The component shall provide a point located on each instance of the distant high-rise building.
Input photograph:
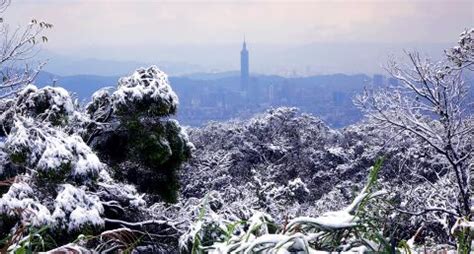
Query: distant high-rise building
(244, 67)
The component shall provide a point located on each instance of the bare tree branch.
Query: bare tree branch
(429, 102)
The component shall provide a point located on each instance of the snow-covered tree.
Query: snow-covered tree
(431, 103)
(132, 132)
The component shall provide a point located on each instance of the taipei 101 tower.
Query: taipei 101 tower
(244, 68)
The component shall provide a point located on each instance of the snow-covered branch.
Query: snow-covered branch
(429, 103)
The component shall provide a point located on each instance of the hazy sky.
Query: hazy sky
(146, 30)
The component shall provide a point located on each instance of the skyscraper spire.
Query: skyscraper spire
(244, 67)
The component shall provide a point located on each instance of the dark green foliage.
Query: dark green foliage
(149, 156)
(19, 157)
(463, 237)
(55, 175)
(37, 240)
(6, 224)
(146, 107)
(370, 222)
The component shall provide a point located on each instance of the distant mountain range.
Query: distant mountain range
(83, 86)
(68, 66)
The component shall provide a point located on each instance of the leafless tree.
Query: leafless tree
(17, 46)
(430, 102)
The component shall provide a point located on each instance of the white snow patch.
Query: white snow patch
(145, 83)
(20, 200)
(75, 208)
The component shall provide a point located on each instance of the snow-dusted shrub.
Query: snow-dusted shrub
(332, 201)
(71, 210)
(50, 153)
(100, 107)
(74, 209)
(120, 200)
(145, 93)
(133, 134)
(210, 221)
(52, 104)
(44, 161)
(297, 188)
(50, 172)
(21, 202)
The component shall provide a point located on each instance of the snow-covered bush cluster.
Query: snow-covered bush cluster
(52, 153)
(259, 232)
(56, 171)
(282, 149)
(45, 162)
(293, 165)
